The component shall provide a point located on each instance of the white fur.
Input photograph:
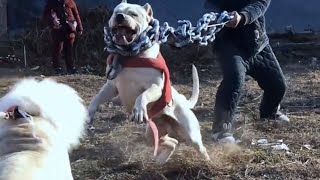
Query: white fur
(59, 122)
(56, 102)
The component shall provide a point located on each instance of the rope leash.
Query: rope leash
(204, 32)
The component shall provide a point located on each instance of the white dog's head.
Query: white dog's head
(128, 21)
(54, 102)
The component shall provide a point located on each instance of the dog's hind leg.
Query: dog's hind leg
(167, 145)
(166, 148)
(189, 129)
(107, 92)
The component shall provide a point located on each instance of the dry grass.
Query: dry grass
(116, 149)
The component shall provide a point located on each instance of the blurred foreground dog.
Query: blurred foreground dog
(40, 123)
(143, 85)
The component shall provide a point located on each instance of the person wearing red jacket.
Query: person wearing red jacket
(63, 18)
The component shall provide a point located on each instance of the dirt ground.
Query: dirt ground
(116, 149)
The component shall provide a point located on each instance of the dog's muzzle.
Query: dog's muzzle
(14, 113)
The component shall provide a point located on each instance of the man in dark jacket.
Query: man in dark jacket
(243, 49)
(63, 18)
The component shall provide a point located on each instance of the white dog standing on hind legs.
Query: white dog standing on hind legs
(40, 123)
(140, 87)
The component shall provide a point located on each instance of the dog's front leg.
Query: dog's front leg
(107, 92)
(139, 112)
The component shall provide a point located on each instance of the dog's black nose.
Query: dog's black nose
(119, 18)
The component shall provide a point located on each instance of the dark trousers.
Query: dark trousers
(263, 67)
(62, 43)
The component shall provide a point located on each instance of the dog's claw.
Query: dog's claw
(91, 127)
(139, 114)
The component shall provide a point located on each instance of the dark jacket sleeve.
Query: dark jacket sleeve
(254, 10)
(77, 17)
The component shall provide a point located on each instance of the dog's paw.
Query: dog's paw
(91, 113)
(90, 119)
(91, 128)
(139, 114)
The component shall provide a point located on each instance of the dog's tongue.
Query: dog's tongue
(123, 31)
(124, 35)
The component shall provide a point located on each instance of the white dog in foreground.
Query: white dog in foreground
(40, 123)
(140, 87)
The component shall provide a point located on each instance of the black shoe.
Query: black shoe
(58, 71)
(72, 71)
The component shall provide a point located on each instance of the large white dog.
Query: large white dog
(40, 123)
(139, 87)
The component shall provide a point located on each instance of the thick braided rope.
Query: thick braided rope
(205, 31)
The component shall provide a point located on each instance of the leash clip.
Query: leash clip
(115, 68)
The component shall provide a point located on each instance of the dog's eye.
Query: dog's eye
(133, 14)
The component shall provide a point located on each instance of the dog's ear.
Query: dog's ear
(148, 8)
(124, 1)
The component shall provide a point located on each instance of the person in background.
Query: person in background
(63, 18)
(243, 49)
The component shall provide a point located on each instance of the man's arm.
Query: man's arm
(254, 10)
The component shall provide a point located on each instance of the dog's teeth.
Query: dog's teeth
(125, 39)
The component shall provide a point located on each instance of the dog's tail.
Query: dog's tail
(195, 88)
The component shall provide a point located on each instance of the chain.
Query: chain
(205, 31)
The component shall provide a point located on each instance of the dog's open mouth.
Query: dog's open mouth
(123, 35)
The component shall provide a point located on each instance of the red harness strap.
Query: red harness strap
(160, 64)
(166, 97)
